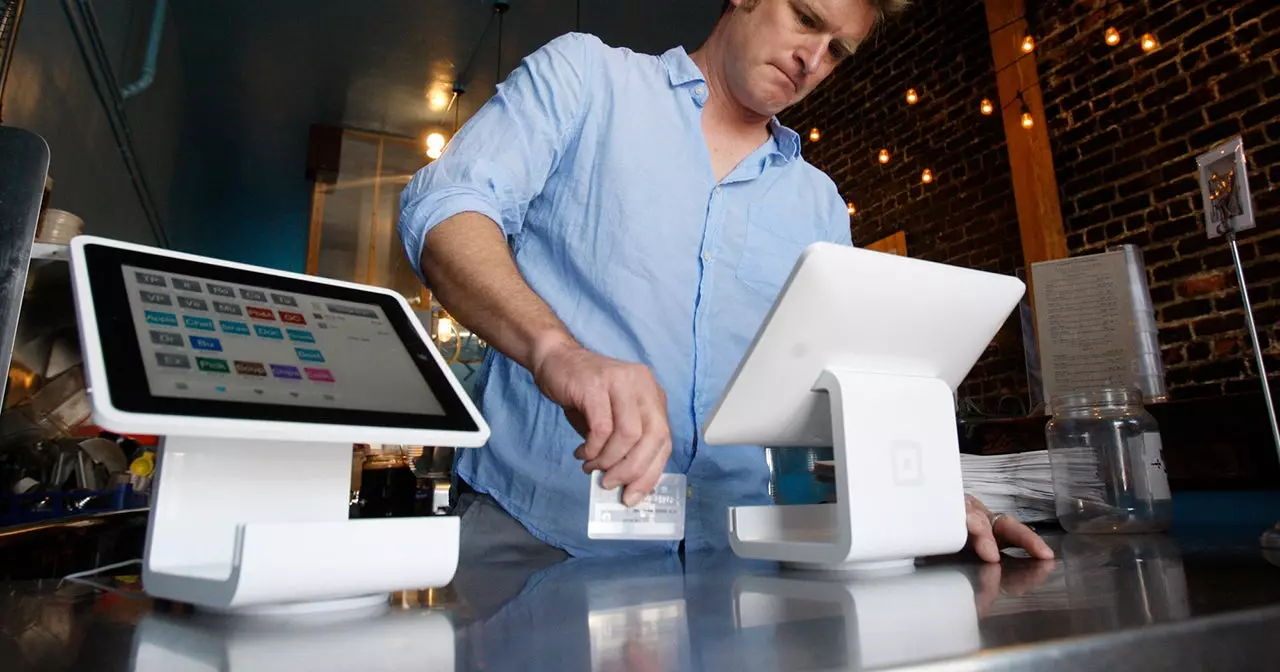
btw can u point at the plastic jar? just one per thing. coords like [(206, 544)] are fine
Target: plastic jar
[(1108, 470)]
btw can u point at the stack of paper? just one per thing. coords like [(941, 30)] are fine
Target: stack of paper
[(1017, 484)]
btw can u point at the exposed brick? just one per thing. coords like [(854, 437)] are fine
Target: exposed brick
[(1200, 285), (1225, 347), (1212, 326), (1184, 310), (1215, 134), (1124, 130), (1175, 335), (1175, 228)]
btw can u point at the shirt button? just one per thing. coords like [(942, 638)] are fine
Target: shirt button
[(700, 90), (706, 256)]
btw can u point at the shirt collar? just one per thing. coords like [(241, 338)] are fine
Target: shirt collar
[(681, 70)]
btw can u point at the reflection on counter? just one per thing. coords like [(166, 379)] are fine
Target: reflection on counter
[(1213, 595), (882, 621), (166, 642)]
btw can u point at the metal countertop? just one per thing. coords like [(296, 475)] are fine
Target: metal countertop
[(1204, 599)]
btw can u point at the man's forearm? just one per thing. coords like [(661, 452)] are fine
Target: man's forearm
[(469, 267)]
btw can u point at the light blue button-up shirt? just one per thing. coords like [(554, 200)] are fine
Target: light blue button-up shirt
[(593, 162)]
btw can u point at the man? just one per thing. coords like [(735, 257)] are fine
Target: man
[(616, 226)]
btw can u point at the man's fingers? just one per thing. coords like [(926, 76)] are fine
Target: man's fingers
[(981, 536), (628, 430), (1013, 533), (647, 481), (597, 412)]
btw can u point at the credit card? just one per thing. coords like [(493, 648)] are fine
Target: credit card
[(659, 516)]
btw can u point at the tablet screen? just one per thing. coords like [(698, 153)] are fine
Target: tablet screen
[(217, 341)]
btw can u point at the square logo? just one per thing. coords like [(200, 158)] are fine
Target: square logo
[(908, 463)]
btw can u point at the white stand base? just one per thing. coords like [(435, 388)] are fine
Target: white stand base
[(263, 527), (899, 493)]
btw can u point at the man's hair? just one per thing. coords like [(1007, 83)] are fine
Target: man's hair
[(884, 8)]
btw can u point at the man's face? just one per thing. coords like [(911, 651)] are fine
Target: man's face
[(780, 50)]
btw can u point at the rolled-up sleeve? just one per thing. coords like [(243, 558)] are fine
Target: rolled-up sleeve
[(500, 159)]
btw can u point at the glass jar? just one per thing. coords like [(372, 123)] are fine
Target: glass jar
[(1108, 470)]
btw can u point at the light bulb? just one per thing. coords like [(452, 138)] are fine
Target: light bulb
[(1028, 44), (433, 153), (912, 97), (435, 141), (852, 210), (884, 156), (987, 107), (1149, 42), (1027, 120), (444, 330), (1113, 37), (926, 176), (814, 135), (438, 100)]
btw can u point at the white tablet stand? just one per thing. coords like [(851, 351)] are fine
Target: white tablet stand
[(862, 351), (259, 527), (899, 493)]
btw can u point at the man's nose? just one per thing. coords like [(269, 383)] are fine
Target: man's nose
[(810, 56)]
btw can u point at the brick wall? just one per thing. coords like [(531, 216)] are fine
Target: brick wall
[(1126, 127), (966, 216)]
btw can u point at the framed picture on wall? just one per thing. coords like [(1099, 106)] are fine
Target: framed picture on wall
[(1224, 189)]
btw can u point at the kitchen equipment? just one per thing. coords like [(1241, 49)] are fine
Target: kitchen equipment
[(24, 163)]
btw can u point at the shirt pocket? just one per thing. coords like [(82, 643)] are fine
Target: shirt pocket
[(770, 250)]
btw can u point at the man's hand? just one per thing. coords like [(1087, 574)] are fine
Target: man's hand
[(618, 408), (988, 536)]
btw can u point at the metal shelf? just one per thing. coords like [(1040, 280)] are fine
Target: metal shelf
[(50, 252)]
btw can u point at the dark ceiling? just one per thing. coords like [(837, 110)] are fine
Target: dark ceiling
[(257, 74)]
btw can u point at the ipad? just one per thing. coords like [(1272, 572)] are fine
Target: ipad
[(181, 344), (862, 310)]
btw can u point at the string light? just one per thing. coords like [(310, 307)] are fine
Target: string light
[(852, 210), (1027, 120), (1112, 36), (1028, 44), (987, 107), (926, 176), (1149, 42), (814, 135), (435, 145), (912, 97), (884, 156)]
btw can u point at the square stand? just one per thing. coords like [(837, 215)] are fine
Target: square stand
[(895, 621), (263, 527), (899, 493)]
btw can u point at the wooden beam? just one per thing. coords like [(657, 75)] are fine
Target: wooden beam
[(317, 228), (1035, 185)]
